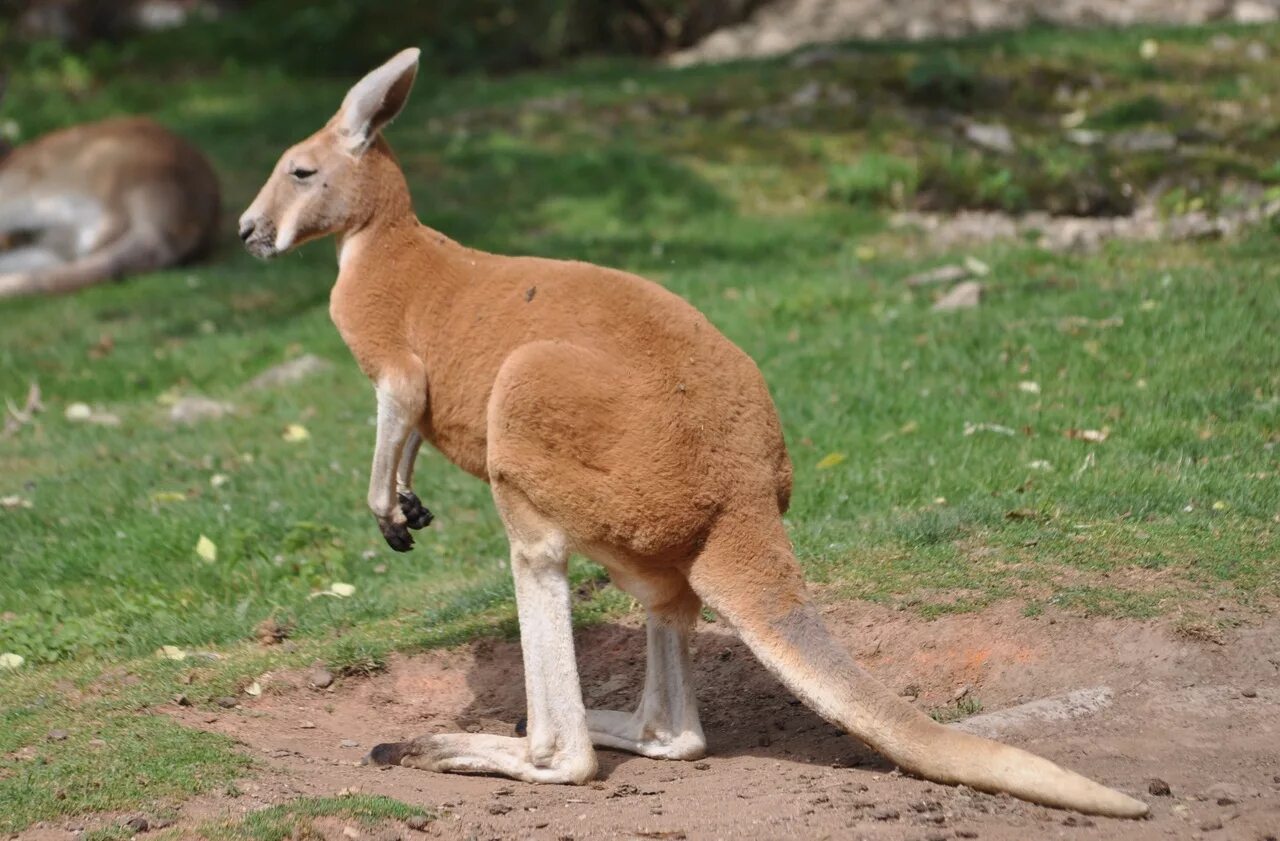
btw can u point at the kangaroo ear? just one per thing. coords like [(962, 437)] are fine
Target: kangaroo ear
[(376, 100)]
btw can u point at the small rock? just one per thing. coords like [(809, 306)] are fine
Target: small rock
[(308, 725), (1084, 137), (1210, 825), (1254, 11), (702, 766), (97, 743), (226, 702), (320, 677), (350, 832), (807, 95), (418, 823), (58, 735), (287, 373), (1249, 693), (499, 808), (993, 137), (962, 296), (942, 274), (182, 700), (961, 692), (1159, 788), (193, 409), (966, 833), (885, 814), (1224, 794), (1144, 140), (137, 823), (349, 743)]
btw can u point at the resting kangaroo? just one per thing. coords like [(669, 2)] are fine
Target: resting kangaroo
[(613, 420), (100, 201)]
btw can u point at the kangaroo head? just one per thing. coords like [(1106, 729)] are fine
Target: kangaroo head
[(330, 182)]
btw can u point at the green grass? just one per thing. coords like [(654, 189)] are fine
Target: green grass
[(770, 217), (294, 819)]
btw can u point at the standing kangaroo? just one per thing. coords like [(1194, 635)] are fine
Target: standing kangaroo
[(611, 419), (100, 201)]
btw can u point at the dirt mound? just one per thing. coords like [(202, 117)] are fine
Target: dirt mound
[(1127, 702), (788, 25)]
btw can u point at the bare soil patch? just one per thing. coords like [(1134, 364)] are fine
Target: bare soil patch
[(1132, 702)]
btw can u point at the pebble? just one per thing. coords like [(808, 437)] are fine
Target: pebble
[(58, 735), (418, 823), (1249, 693), (226, 702), (885, 814), (349, 743), (1211, 824), (138, 823), (308, 725), (1159, 788), (320, 677)]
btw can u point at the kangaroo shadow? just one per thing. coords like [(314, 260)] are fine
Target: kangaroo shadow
[(745, 711)]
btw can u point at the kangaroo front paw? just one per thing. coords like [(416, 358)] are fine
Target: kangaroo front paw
[(417, 515), (397, 535)]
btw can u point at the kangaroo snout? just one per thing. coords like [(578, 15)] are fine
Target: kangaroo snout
[(258, 235)]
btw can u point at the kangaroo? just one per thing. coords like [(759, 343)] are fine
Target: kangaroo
[(611, 419), (100, 201)]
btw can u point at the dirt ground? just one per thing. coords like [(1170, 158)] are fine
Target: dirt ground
[(1129, 702)]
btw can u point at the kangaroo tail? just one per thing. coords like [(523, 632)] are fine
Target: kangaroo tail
[(748, 574)]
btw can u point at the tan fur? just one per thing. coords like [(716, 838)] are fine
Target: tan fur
[(612, 419), (100, 201)]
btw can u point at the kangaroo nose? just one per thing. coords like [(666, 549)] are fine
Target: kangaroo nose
[(246, 230)]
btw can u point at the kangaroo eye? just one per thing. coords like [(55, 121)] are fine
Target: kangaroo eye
[(301, 173)]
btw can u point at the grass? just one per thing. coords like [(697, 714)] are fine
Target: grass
[(768, 214)]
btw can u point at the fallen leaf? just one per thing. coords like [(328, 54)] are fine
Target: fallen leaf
[(171, 652), (9, 660), (999, 429), (168, 496), (217, 480), (1219, 506), (976, 267), (1021, 514), (864, 253), (342, 590), (253, 690), (78, 412), (1093, 436), (10, 503), (1149, 49), (1029, 387), (1040, 464), (1089, 461), (296, 433), (830, 460), (207, 549), (1148, 305)]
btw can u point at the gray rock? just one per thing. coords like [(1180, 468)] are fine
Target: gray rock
[(287, 373), (195, 408), (993, 137), (962, 296), (1144, 140), (942, 274), (320, 677)]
